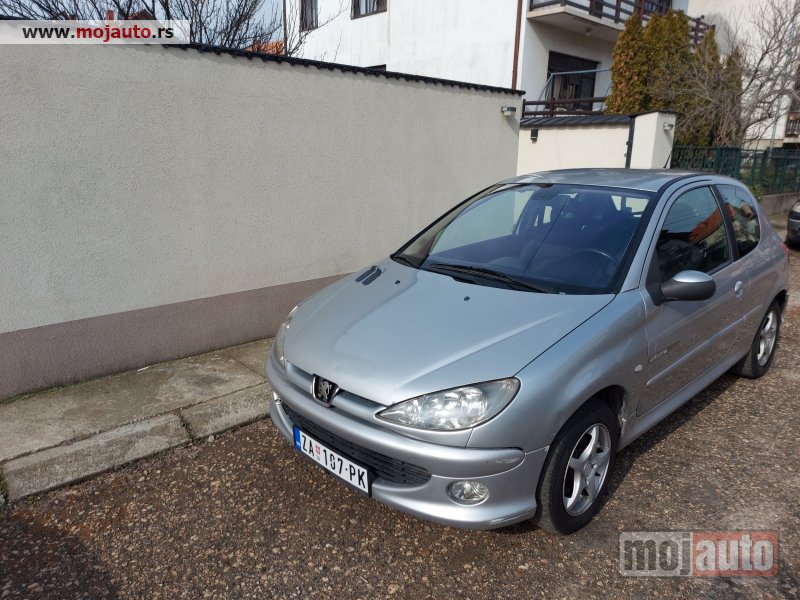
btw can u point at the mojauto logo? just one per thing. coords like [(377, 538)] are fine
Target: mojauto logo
[(698, 553)]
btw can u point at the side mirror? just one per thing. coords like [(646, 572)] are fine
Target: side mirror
[(689, 285)]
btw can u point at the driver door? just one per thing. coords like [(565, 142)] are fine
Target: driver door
[(687, 338)]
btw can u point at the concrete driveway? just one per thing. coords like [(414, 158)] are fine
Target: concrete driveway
[(245, 516)]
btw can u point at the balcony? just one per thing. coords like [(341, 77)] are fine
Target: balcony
[(568, 107), (603, 19), (792, 125)]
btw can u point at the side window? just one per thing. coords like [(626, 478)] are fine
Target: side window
[(308, 15), (362, 8), (741, 209), (693, 236)]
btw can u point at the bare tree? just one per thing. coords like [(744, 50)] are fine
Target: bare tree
[(708, 95), (763, 52)]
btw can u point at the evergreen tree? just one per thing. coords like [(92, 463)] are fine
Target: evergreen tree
[(668, 51), (629, 71), (729, 132), (655, 68)]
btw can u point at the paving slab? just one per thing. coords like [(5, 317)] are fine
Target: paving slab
[(253, 355), (229, 411), (58, 466), (62, 415)]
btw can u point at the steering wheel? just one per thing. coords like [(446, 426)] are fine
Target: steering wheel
[(600, 253)]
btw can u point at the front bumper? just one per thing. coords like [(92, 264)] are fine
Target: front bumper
[(510, 474)]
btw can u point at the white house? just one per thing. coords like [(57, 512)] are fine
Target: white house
[(520, 44)]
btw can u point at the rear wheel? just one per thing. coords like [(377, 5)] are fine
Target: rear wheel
[(759, 358), (577, 469)]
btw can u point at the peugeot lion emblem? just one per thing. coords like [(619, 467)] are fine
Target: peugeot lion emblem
[(324, 391)]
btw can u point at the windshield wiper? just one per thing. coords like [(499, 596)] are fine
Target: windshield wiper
[(401, 258), (489, 274)]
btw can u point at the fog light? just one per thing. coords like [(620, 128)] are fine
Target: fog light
[(468, 492)]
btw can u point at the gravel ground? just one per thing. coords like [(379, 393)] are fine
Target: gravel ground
[(245, 516)]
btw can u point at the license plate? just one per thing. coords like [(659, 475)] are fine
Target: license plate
[(334, 462)]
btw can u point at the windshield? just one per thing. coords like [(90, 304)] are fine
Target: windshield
[(538, 237)]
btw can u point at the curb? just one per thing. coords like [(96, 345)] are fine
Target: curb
[(226, 412), (61, 465), (52, 468)]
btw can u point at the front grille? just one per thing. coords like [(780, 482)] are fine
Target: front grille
[(385, 467)]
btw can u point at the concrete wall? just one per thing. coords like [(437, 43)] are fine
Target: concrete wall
[(653, 136), (572, 147), (162, 202)]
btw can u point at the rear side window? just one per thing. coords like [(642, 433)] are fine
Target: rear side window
[(693, 236), (741, 209)]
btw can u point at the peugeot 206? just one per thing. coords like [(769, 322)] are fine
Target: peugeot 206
[(488, 371)]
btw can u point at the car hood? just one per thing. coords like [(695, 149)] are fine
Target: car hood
[(409, 332)]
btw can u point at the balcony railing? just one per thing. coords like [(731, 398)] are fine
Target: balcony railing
[(618, 11), (565, 107)]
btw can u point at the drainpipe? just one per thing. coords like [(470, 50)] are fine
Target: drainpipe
[(285, 36), (629, 143), (516, 45)]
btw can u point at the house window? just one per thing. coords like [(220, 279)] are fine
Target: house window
[(308, 14), (362, 8), (571, 77)]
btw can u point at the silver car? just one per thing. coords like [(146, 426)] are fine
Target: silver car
[(488, 371)]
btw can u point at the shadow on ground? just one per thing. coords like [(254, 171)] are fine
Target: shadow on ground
[(50, 563)]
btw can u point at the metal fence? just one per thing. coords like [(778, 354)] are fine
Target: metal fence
[(771, 171)]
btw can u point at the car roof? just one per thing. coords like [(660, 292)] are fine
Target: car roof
[(650, 180)]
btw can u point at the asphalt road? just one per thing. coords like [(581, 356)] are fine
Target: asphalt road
[(246, 516)]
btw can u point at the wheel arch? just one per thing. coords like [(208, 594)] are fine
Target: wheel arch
[(783, 299), (615, 397)]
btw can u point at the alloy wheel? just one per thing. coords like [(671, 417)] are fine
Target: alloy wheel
[(587, 469), (766, 337)]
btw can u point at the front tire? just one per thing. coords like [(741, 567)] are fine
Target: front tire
[(759, 358), (577, 469)]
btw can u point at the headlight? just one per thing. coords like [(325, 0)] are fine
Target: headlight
[(280, 338), (457, 408)]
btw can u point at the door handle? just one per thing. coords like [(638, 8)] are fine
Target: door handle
[(738, 289)]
